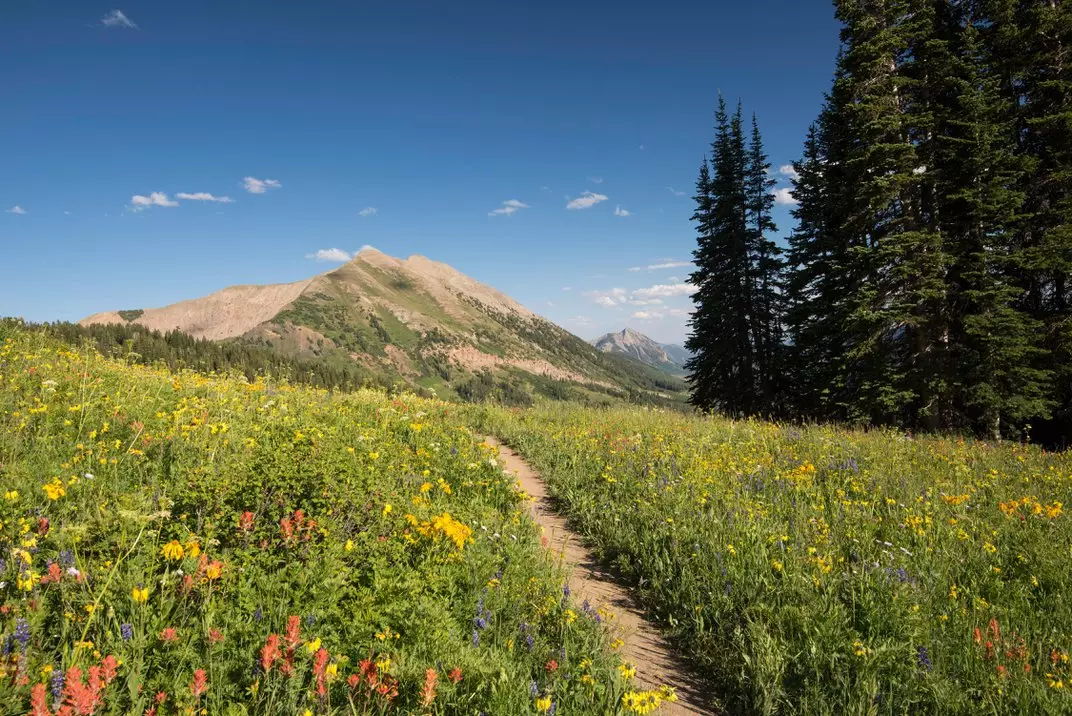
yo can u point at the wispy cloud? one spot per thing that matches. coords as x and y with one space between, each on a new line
787 170
204 196
586 200
16 210
509 207
619 211
260 186
116 18
596 180
674 191
332 255
368 211
139 202
581 321
567 288
648 315
668 264
664 290
784 196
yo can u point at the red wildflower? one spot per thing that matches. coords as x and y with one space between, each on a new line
55 574
994 630
42 526
82 698
169 635
245 522
1001 670
370 672
161 697
455 675
551 665
270 652
286 528
39 701
320 663
199 684
151 711
428 693
293 631
354 680
109 668
215 636
989 650
977 636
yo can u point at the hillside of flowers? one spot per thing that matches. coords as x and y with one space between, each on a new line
815 570
183 543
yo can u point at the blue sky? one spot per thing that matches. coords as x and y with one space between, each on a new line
123 126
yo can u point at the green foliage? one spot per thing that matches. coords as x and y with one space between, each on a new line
131 315
821 571
176 521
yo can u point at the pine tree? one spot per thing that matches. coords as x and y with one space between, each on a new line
764 259
993 343
722 371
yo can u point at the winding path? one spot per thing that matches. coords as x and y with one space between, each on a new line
657 663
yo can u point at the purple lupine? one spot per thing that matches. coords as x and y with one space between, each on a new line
127 631
57 687
22 632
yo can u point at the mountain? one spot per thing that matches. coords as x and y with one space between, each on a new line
636 345
416 322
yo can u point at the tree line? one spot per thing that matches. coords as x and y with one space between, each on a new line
926 283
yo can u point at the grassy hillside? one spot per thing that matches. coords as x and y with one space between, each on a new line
818 571
184 542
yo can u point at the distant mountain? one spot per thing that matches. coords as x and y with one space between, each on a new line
636 345
416 322
677 353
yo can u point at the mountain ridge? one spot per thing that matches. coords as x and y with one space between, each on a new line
418 320
634 344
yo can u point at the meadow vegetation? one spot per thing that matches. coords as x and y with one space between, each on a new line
822 571
176 542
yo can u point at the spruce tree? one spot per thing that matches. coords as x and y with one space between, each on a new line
764 260
722 371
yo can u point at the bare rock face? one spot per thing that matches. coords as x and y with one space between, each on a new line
639 347
414 318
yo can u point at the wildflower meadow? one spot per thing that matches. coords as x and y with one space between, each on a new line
187 543
824 571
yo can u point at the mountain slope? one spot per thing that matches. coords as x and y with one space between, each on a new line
639 347
418 321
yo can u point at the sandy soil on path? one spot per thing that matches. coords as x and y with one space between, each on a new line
657 663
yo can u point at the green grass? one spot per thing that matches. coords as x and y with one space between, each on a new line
821 571
175 522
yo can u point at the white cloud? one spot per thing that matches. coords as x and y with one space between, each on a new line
674 191
665 290
567 288
16 210
157 198
204 196
665 264
545 188
678 312
582 321
646 302
551 304
116 18
641 147
647 315
509 206
788 170
784 196
619 211
586 200
367 247
260 186
333 255
608 299
596 180
369 211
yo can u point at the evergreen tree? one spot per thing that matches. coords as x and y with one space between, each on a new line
764 259
993 344
722 370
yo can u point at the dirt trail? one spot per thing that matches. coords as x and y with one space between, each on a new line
656 662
